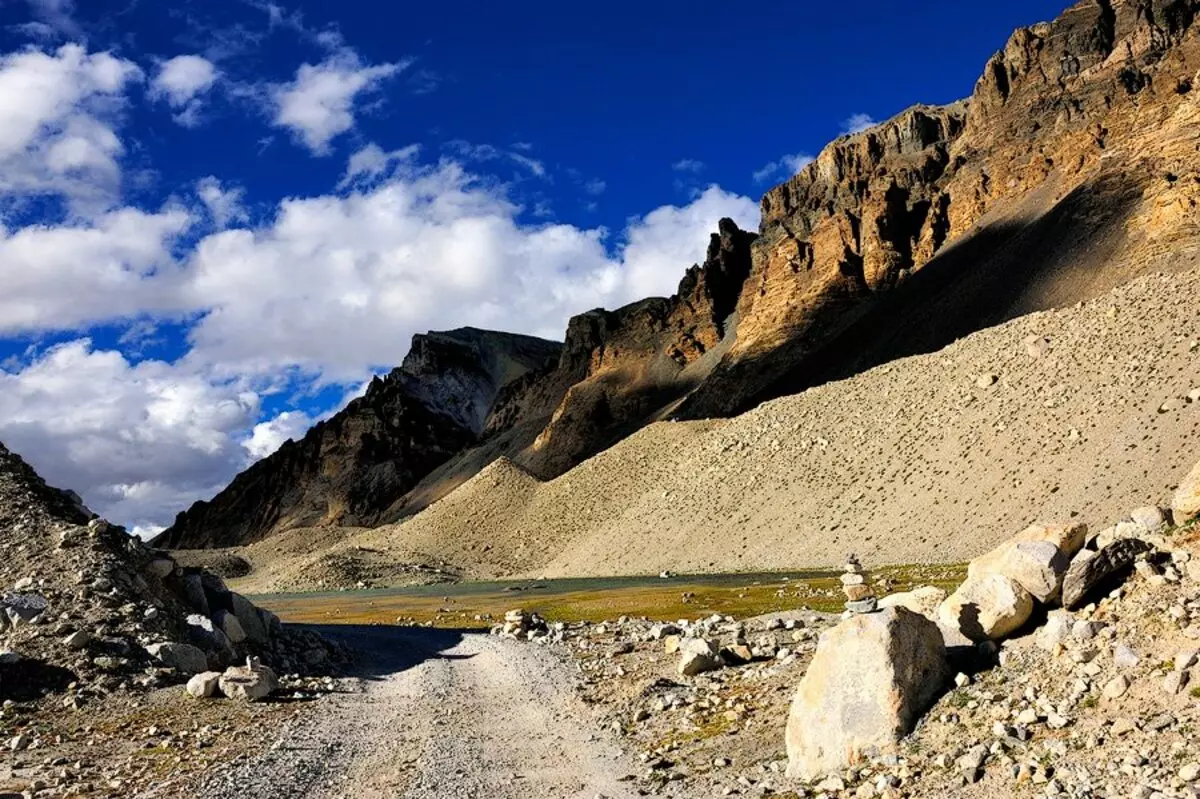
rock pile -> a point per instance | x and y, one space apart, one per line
93 610
860 598
522 626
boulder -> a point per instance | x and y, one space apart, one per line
697 655
206 635
160 568
1067 536
1150 518
193 593
182 657
23 608
250 619
1089 571
204 685
1185 505
924 600
78 640
248 683
987 607
1038 566
228 623
871 678
1056 631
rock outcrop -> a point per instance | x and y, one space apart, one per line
349 469
1069 170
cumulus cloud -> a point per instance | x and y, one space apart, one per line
137 441
688 165
318 105
64 277
53 17
181 82
224 205
270 435
57 117
783 168
857 123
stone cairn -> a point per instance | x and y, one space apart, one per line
859 596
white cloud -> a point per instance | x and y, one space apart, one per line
318 105
783 168
857 123
54 16
595 187
372 162
61 278
57 118
137 441
224 205
688 165
270 435
181 82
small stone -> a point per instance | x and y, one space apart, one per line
868 605
1175 682
204 685
78 640
986 381
1116 687
1124 657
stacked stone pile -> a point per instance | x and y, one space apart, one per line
860 598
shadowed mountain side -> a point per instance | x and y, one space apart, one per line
349 469
1008 268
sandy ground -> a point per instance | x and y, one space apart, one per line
439 714
1082 413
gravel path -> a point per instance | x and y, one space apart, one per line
439 714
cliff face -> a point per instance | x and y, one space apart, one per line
1072 166
350 468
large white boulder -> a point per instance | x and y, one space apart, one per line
987 606
871 678
1038 566
1185 505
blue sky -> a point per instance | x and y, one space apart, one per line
219 218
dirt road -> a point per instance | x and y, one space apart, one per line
439 714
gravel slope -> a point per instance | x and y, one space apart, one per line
915 461
440 715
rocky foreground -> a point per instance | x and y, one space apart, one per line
1097 699
99 634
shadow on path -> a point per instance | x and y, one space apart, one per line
384 649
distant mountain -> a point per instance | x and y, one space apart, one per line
348 469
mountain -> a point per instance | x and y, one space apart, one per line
349 468
1070 170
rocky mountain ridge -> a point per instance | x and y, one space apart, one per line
351 467
1071 169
